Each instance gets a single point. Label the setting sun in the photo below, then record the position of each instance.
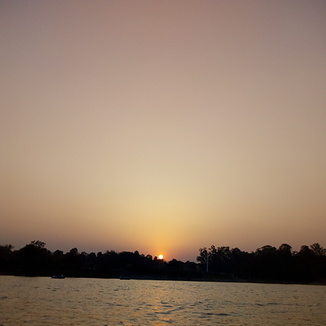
(160, 256)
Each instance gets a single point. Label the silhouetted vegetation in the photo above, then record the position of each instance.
(266, 264)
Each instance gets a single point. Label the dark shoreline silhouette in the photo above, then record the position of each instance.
(267, 264)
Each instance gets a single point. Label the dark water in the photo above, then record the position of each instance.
(46, 301)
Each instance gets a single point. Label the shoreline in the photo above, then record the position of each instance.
(180, 279)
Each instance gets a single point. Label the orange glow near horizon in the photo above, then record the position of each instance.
(162, 126)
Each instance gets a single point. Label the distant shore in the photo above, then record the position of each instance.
(215, 264)
(180, 279)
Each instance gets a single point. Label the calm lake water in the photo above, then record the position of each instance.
(76, 301)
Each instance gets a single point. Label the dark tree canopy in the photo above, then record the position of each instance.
(267, 264)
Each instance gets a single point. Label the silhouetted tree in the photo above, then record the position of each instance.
(34, 259)
(73, 263)
(6, 259)
(305, 252)
(58, 263)
(317, 249)
(285, 250)
(38, 244)
(242, 263)
(204, 258)
(284, 263)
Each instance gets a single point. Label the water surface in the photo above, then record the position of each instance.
(76, 301)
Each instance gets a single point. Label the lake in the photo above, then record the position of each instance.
(43, 301)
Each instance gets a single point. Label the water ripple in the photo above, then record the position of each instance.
(111, 302)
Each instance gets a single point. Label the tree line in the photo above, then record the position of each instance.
(265, 264)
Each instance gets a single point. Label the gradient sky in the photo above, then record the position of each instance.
(162, 126)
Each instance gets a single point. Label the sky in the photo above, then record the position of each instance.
(162, 126)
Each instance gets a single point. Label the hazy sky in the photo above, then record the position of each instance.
(162, 126)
